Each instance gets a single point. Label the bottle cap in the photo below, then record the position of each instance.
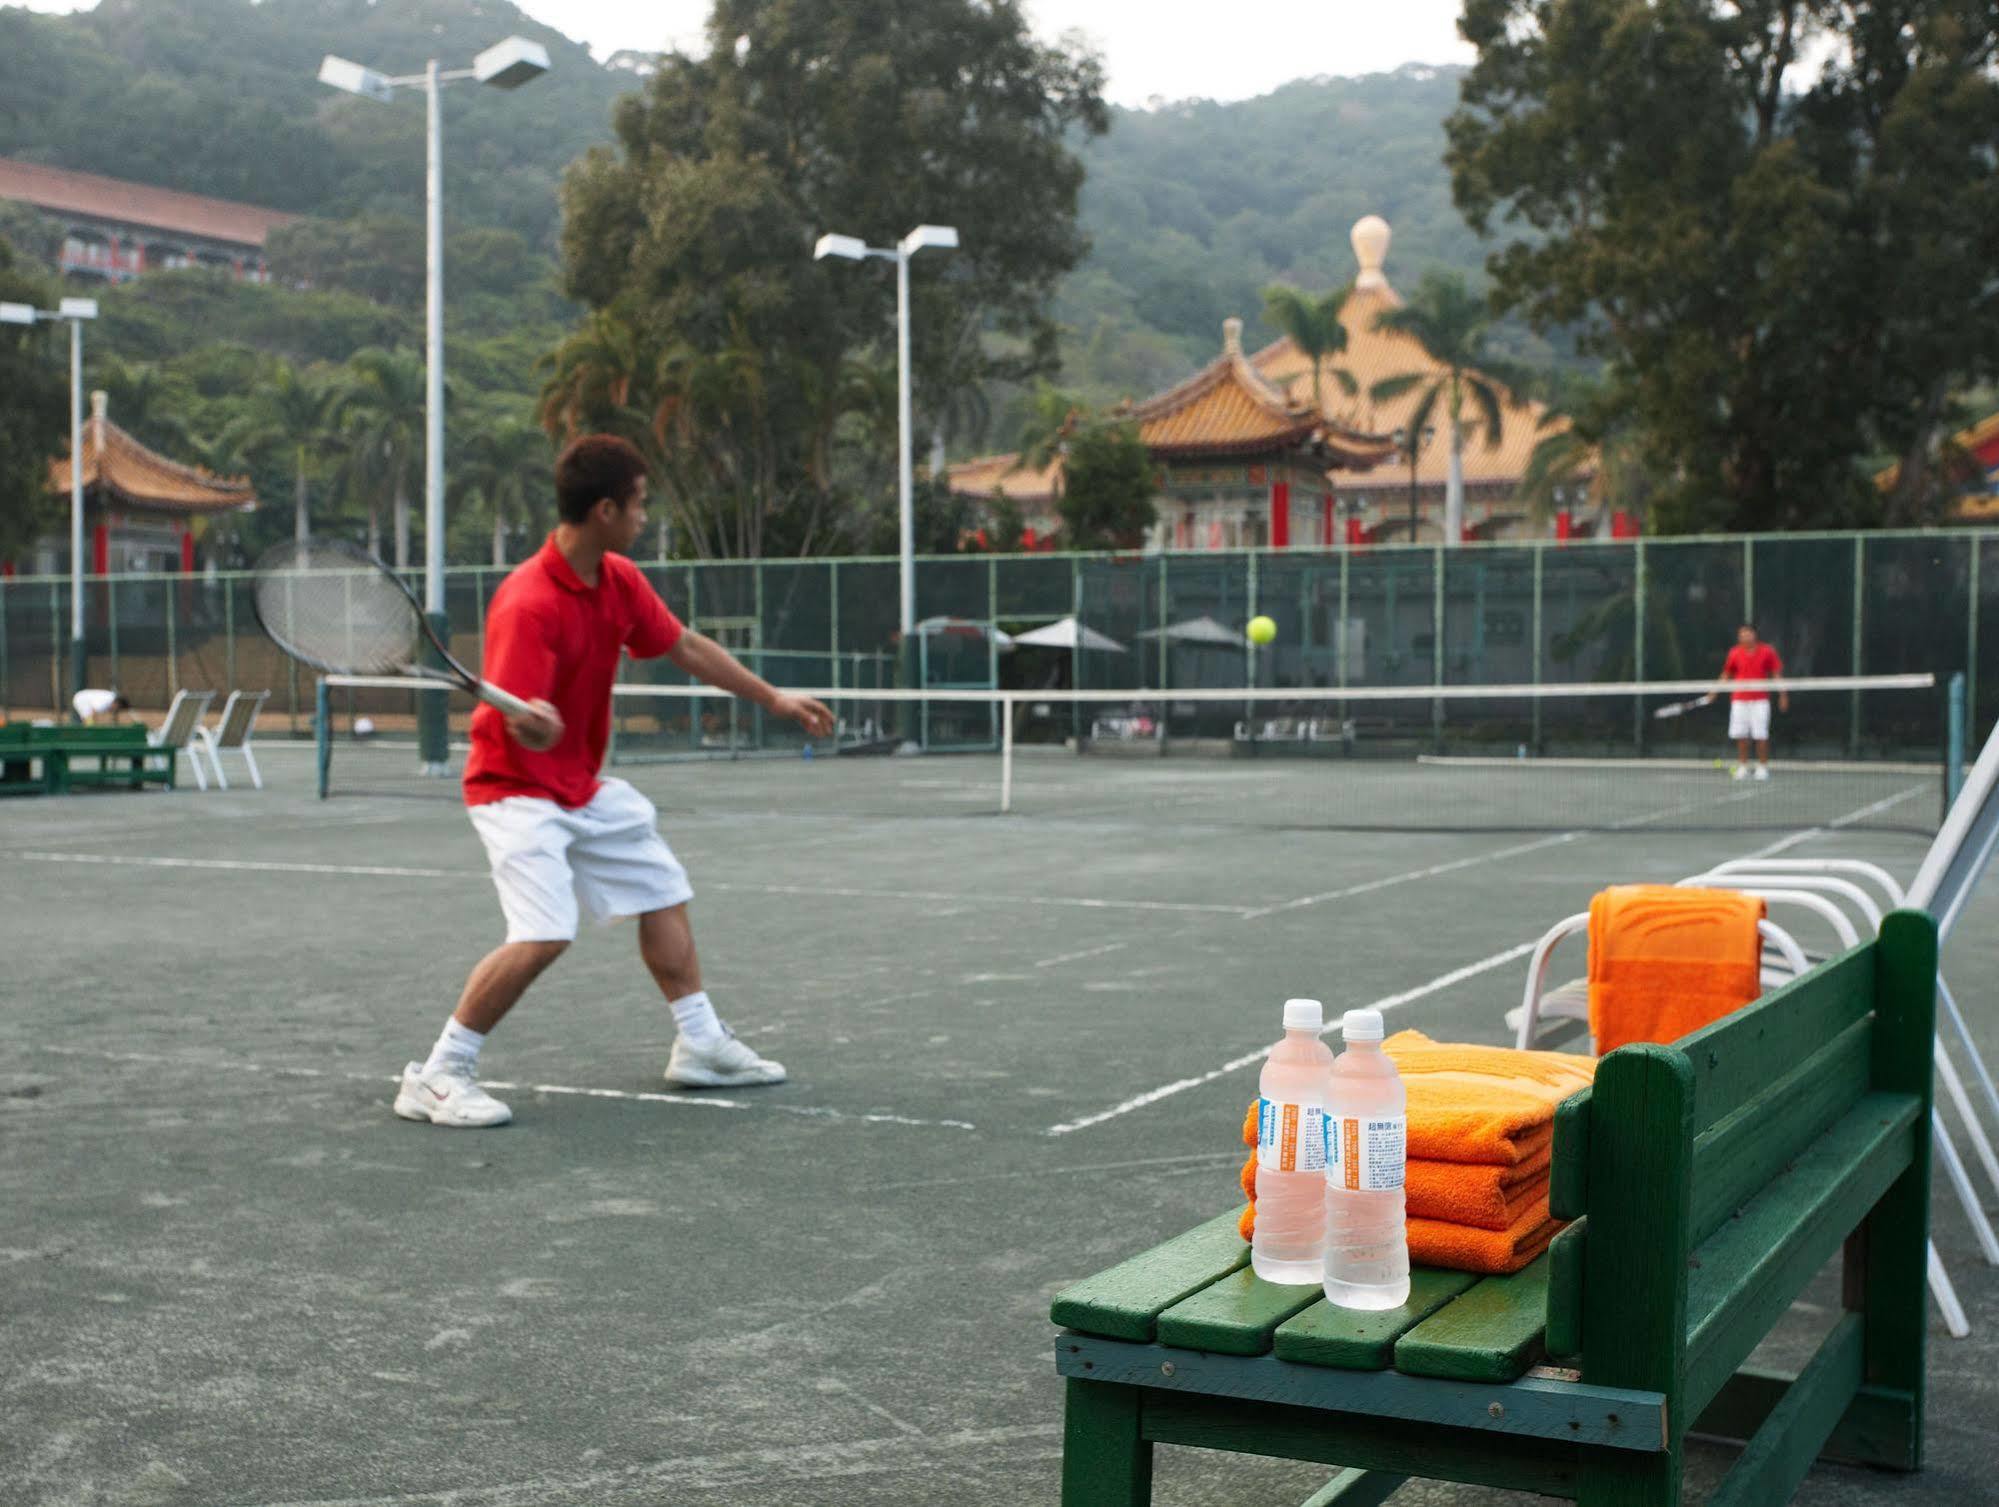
(1361, 1025)
(1304, 1015)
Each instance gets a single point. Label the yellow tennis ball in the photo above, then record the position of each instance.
(1262, 630)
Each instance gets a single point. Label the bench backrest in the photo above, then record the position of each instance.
(1711, 1179)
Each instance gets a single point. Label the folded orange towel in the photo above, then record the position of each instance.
(1490, 1106)
(1433, 1242)
(1477, 1197)
(1664, 962)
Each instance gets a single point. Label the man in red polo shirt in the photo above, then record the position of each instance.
(1749, 711)
(562, 840)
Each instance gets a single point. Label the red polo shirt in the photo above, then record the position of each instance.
(1757, 663)
(552, 638)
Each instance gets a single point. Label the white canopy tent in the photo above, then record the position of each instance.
(1199, 630)
(1067, 633)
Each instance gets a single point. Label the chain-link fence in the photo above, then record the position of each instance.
(1530, 613)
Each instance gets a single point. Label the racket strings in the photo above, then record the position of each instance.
(323, 609)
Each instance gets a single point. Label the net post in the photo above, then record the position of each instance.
(322, 733)
(173, 658)
(229, 627)
(1006, 754)
(1953, 753)
(433, 711)
(1638, 641)
(1540, 552)
(1977, 548)
(1437, 650)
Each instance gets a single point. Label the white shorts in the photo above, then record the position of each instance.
(551, 865)
(1749, 719)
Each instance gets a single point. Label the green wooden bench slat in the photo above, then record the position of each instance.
(1235, 1316)
(1492, 1333)
(1358, 1339)
(1745, 1276)
(1732, 1059)
(1565, 1289)
(1798, 1427)
(1122, 1302)
(1568, 1177)
(1739, 1156)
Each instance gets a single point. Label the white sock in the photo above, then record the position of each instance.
(455, 1043)
(695, 1017)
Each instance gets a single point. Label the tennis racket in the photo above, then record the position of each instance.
(1681, 708)
(340, 610)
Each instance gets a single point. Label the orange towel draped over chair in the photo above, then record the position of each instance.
(1663, 962)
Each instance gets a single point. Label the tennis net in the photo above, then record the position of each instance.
(1850, 751)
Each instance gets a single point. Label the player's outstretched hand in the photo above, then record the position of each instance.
(540, 732)
(813, 716)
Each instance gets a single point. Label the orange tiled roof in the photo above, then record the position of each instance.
(1372, 356)
(1228, 409)
(63, 192)
(119, 465)
(1004, 476)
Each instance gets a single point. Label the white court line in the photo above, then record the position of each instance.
(1386, 1003)
(1837, 824)
(1414, 874)
(684, 1101)
(1077, 957)
(372, 871)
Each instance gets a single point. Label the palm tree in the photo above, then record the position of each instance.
(1313, 323)
(1450, 323)
(380, 409)
(291, 411)
(1052, 416)
(502, 461)
(1588, 451)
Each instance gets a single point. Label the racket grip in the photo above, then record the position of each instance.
(506, 701)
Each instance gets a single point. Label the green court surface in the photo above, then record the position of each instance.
(1020, 1048)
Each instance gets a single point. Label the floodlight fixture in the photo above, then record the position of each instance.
(509, 64)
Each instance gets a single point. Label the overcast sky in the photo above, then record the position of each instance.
(1164, 49)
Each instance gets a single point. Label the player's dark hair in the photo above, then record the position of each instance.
(591, 468)
(120, 704)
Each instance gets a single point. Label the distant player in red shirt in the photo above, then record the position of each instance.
(1749, 711)
(561, 840)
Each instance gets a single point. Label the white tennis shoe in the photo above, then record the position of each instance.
(727, 1064)
(1762, 771)
(1740, 772)
(448, 1095)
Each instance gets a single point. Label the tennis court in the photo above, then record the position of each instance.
(1019, 1049)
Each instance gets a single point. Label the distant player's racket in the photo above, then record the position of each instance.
(1681, 708)
(340, 610)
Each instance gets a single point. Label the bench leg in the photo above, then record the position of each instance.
(1105, 1462)
(1634, 1480)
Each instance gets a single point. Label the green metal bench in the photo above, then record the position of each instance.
(1708, 1182)
(56, 760)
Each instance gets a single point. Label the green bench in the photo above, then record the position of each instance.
(1708, 1182)
(56, 760)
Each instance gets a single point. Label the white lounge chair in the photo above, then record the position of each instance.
(178, 731)
(235, 730)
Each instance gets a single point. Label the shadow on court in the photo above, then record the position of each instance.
(232, 1277)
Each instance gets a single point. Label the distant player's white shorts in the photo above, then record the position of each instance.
(1749, 719)
(552, 866)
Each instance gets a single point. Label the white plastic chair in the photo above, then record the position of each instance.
(237, 726)
(178, 731)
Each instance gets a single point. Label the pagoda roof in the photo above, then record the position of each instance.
(1228, 409)
(64, 192)
(1004, 476)
(117, 465)
(1373, 356)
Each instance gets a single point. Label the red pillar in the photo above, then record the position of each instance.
(1280, 514)
(1354, 534)
(6, 570)
(1623, 525)
(100, 550)
(187, 550)
(1565, 524)
(1327, 508)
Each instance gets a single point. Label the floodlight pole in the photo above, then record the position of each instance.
(505, 65)
(433, 731)
(78, 661)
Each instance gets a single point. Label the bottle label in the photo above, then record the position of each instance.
(1290, 1137)
(1367, 1155)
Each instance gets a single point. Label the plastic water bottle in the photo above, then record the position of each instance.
(1290, 1239)
(1367, 1127)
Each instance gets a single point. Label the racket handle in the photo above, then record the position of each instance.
(506, 701)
